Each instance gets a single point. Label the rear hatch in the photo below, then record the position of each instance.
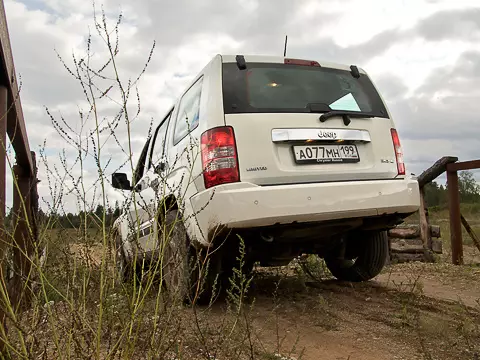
(275, 110)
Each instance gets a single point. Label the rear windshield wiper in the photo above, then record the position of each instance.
(345, 114)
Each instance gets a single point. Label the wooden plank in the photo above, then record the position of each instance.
(401, 258)
(414, 246)
(15, 122)
(475, 238)
(3, 154)
(413, 231)
(3, 167)
(435, 170)
(455, 221)
(465, 165)
(437, 246)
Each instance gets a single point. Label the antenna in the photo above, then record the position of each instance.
(285, 48)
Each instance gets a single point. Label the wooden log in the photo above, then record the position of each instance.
(413, 231)
(437, 246)
(414, 246)
(425, 234)
(435, 170)
(401, 258)
(475, 238)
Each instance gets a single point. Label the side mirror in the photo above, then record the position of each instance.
(161, 167)
(120, 181)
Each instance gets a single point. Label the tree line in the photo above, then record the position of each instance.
(437, 195)
(92, 218)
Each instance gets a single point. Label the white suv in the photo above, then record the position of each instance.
(292, 156)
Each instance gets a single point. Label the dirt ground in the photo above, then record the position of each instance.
(409, 311)
(412, 311)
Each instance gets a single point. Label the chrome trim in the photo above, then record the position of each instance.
(281, 135)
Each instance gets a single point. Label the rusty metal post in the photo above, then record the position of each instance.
(455, 220)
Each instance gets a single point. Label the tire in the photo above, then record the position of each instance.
(175, 257)
(371, 257)
(183, 264)
(207, 272)
(123, 266)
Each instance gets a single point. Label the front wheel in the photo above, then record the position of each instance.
(176, 259)
(123, 266)
(366, 262)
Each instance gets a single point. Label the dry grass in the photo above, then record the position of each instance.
(424, 311)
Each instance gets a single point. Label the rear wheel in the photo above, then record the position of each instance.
(366, 260)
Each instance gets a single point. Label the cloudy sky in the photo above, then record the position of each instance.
(423, 55)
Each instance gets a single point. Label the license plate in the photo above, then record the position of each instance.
(322, 154)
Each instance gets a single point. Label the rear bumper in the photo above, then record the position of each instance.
(245, 205)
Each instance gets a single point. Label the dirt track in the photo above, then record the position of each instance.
(414, 311)
(410, 311)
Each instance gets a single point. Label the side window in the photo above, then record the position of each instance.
(188, 111)
(158, 148)
(139, 170)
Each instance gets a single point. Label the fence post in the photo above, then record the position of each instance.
(25, 235)
(3, 169)
(3, 160)
(455, 221)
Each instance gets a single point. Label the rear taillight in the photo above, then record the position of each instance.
(219, 156)
(398, 152)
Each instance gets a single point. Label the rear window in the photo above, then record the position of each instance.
(265, 87)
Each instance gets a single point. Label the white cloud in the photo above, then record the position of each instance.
(400, 43)
(416, 59)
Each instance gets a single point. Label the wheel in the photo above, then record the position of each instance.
(176, 256)
(365, 262)
(123, 266)
(184, 266)
(206, 277)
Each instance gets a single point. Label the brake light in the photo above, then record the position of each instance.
(301, 62)
(219, 156)
(398, 152)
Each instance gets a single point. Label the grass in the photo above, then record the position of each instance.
(137, 321)
(287, 306)
(80, 311)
